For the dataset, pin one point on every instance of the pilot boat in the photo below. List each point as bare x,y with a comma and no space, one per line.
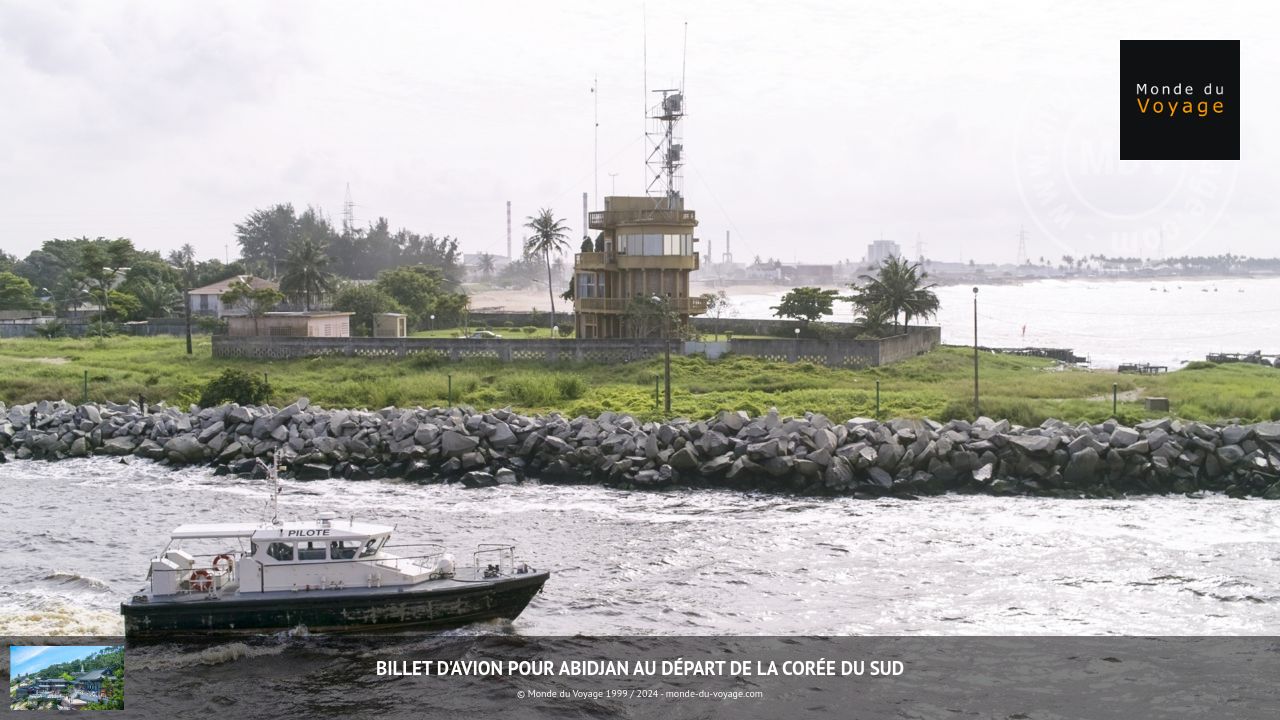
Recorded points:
327,574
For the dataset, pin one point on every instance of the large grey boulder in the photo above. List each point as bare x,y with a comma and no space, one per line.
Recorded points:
119,445
454,443
184,448
1082,467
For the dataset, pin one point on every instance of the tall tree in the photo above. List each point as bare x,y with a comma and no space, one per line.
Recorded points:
806,304
183,256
549,236
16,293
898,288
366,301
157,300
100,269
421,291
306,271
486,264
264,236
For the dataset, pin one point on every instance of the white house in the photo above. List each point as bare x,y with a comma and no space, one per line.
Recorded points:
207,300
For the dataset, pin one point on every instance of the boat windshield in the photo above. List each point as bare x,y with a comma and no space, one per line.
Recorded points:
372,546
343,549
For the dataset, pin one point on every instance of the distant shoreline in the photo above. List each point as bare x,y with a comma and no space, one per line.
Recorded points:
498,300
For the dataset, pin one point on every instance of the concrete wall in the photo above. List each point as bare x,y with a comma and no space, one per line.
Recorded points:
836,353
280,348
915,341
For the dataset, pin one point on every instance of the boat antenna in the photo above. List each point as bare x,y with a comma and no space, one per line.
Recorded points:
684,56
273,473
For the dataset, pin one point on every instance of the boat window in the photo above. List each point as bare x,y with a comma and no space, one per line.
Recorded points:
343,549
371,547
310,552
280,551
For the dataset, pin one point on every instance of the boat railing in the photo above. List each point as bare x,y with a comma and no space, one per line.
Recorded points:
196,579
403,563
494,555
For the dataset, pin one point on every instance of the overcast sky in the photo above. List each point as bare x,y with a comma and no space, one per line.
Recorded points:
813,127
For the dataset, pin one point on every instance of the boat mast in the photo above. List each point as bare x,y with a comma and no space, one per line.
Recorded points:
274,474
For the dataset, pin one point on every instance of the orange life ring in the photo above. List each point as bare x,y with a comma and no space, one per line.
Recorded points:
230,562
201,581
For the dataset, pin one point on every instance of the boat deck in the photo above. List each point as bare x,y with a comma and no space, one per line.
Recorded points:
468,580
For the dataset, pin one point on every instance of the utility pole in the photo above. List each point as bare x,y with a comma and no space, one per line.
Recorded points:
595,96
187,308
509,256
976,412
664,304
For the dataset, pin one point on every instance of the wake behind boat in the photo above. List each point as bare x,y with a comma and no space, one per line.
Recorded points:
327,574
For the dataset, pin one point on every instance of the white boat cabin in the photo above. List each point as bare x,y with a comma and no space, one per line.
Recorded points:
322,554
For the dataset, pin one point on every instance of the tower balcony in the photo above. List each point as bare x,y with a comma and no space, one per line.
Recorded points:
615,261
680,305
604,219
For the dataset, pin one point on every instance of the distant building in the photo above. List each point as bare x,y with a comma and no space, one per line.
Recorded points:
390,325
880,250
770,270
90,682
292,324
809,274
646,252
207,300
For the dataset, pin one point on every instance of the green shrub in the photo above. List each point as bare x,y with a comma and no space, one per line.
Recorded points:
101,328
211,325
50,330
570,387
236,386
1200,365
531,389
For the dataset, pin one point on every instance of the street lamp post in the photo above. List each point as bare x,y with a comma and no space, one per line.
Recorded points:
186,313
433,323
666,353
796,347
976,412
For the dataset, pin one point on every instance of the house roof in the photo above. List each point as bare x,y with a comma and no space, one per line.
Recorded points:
91,675
306,314
222,286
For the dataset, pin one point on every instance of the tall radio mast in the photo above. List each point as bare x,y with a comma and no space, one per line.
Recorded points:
666,144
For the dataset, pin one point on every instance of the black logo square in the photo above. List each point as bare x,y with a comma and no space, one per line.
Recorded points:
1179,99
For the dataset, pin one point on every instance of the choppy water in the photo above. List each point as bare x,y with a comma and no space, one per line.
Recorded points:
1163,322
79,533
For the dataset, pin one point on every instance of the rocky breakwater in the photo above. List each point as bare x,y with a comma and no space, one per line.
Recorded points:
809,454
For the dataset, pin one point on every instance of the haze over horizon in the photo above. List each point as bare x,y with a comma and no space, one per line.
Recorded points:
813,127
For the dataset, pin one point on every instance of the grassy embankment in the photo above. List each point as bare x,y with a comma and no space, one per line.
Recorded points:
938,385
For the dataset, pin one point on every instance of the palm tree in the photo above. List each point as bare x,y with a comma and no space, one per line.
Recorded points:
159,300
182,257
306,273
896,290
549,235
486,264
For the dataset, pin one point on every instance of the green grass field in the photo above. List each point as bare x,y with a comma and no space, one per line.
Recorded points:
937,385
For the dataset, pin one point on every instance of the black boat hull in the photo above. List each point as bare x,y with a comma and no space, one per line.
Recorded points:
331,611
